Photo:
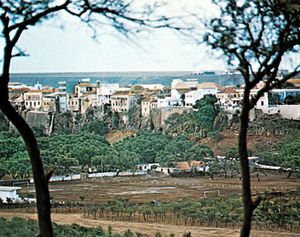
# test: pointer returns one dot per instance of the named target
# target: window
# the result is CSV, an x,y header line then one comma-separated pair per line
x,y
262,103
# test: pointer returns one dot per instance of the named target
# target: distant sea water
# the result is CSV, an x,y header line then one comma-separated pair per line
x,y
123,78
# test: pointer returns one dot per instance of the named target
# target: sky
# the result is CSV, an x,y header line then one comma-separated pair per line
x,y
72,49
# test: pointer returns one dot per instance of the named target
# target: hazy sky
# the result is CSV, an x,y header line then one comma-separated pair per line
x,y
72,49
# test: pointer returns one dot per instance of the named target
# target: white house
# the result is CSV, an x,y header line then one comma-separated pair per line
x,y
105,91
146,167
9,193
289,111
208,88
166,102
147,105
33,99
191,97
122,101
73,103
85,87
229,99
180,87
203,89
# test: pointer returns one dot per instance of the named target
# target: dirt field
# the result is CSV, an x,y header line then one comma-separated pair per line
x,y
142,189
149,229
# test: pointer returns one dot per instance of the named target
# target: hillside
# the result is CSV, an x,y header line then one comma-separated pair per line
x,y
229,139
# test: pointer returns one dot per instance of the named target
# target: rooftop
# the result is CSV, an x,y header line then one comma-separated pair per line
x,y
228,90
9,189
209,85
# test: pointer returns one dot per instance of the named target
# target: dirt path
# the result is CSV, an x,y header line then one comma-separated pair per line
x,y
148,228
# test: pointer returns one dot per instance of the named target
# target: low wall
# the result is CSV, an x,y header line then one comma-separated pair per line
x,y
289,111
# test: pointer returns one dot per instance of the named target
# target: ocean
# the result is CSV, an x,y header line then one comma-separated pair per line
x,y
123,78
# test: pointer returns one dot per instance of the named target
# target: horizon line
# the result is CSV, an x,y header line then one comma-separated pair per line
x,y
146,71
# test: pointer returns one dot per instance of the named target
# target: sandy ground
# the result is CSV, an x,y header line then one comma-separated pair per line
x,y
149,228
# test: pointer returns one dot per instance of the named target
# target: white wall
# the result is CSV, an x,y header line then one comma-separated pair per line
x,y
289,111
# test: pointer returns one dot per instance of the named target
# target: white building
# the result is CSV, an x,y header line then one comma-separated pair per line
x,y
289,111
73,103
105,91
229,99
33,99
122,101
147,167
88,101
180,87
153,86
85,87
62,96
9,193
166,102
208,88
191,97
147,105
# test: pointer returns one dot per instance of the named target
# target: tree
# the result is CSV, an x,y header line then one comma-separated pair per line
x,y
256,37
115,120
97,126
206,112
18,16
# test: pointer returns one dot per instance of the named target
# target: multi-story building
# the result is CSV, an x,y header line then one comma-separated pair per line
x,y
88,101
122,101
147,105
73,103
180,87
62,96
85,87
105,91
229,98
33,99
16,98
205,88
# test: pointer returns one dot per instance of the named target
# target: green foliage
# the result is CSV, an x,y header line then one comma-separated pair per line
x,y
157,147
18,227
18,166
14,159
97,126
201,122
204,210
64,151
282,210
115,120
206,111
285,153
70,153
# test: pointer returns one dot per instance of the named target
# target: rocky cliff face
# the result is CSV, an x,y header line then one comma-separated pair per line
x,y
47,123
266,125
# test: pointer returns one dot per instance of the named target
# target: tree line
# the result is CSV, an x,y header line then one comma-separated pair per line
x,y
280,210
70,153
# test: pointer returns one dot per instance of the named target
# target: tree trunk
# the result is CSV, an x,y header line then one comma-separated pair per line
x,y
40,180
245,172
